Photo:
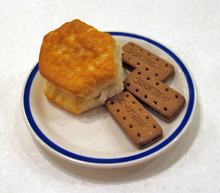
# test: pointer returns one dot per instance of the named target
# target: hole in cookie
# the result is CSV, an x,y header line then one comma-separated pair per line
x,y
133,102
145,96
148,78
130,125
112,103
128,84
146,69
176,96
140,50
138,134
157,59
166,65
148,54
140,109
154,126
155,102
157,83
127,95
118,110
137,90
147,117
156,74
166,89
139,73
138,63
132,44
124,118
165,108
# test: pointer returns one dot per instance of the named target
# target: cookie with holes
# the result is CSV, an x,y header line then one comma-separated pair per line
x,y
156,96
135,56
134,119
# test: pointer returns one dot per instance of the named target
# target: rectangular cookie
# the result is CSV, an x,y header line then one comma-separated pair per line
x,y
134,119
156,96
135,56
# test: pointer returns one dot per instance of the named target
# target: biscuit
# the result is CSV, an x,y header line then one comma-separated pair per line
x,y
81,65
135,56
156,96
134,119
78,58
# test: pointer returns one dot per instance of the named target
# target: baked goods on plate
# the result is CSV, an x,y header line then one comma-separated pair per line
x,y
94,139
81,65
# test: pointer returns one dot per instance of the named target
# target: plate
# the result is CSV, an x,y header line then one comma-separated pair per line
x,y
93,138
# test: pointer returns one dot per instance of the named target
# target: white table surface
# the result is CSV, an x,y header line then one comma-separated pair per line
x,y
189,28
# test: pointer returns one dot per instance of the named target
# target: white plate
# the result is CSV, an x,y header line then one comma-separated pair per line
x,y
94,139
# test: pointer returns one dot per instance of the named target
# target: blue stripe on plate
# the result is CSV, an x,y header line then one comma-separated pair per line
x,y
69,154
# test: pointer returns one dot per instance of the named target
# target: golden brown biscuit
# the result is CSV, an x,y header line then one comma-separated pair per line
x,y
80,61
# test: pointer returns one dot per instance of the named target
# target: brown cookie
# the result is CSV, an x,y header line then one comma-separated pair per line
x,y
134,119
135,56
156,96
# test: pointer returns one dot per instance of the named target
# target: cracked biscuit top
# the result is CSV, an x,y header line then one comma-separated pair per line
x,y
78,58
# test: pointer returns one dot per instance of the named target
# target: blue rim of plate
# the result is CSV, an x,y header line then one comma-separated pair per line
x,y
179,129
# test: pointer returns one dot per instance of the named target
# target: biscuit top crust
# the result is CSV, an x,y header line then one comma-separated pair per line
x,y
78,58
